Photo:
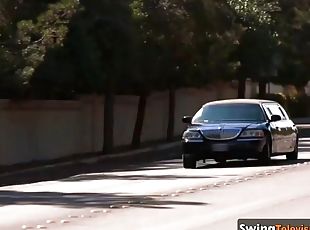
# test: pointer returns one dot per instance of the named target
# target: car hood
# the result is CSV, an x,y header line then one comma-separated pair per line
x,y
227,125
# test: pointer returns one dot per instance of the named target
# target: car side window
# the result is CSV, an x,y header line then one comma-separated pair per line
x,y
274,109
284,112
283,115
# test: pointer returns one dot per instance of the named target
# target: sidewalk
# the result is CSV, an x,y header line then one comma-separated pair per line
x,y
85,164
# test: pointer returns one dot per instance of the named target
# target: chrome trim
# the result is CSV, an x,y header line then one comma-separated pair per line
x,y
251,139
193,141
224,139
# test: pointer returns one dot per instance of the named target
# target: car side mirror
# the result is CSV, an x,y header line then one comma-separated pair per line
x,y
276,118
187,119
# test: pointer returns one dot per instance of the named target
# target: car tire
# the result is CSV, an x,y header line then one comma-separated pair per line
x,y
266,154
189,162
293,155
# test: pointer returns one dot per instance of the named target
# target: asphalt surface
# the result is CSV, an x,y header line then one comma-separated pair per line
x,y
158,195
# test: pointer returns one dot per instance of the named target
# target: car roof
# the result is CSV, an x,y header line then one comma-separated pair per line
x,y
239,101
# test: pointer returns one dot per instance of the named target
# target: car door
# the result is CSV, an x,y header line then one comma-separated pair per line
x,y
278,128
291,134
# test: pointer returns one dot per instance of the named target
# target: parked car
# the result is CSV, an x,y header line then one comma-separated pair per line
x,y
239,129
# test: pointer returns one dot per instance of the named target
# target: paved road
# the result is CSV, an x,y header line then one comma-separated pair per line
x,y
162,195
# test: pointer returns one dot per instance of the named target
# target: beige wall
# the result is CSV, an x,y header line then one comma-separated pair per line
x,y
45,130
125,112
188,101
155,123
252,89
41,131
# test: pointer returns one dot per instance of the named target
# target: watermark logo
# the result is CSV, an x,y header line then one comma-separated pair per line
x,y
273,224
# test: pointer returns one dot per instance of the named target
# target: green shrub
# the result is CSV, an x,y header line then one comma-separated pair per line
x,y
298,106
278,97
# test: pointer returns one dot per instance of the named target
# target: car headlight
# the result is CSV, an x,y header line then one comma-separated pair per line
x,y
192,135
252,133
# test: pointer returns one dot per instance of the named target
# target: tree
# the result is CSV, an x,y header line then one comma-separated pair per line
x,y
162,27
100,42
257,56
216,34
294,31
144,65
259,44
173,35
29,30
135,47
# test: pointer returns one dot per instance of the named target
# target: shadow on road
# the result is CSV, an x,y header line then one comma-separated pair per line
x,y
136,167
87,200
103,176
124,164
252,163
303,147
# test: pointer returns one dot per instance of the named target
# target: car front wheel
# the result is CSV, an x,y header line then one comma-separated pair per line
x,y
189,162
266,154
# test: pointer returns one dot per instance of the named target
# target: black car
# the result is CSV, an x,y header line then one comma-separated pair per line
x,y
239,129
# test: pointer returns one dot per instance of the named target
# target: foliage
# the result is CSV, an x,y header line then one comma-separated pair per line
x,y
258,46
299,106
59,49
47,32
294,30
29,30
278,97
255,13
137,46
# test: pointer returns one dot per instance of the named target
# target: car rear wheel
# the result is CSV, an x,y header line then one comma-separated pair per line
x,y
189,162
293,155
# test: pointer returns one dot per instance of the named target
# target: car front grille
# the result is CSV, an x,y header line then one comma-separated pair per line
x,y
221,134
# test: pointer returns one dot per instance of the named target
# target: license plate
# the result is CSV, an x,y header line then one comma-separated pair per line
x,y
220,147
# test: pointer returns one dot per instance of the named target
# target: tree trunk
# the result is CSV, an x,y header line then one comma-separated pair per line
x,y
136,138
241,88
262,89
108,122
171,115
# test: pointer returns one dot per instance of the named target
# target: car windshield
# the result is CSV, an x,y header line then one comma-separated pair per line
x,y
229,112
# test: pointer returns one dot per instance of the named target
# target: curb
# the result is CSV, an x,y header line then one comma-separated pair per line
x,y
303,126
95,159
